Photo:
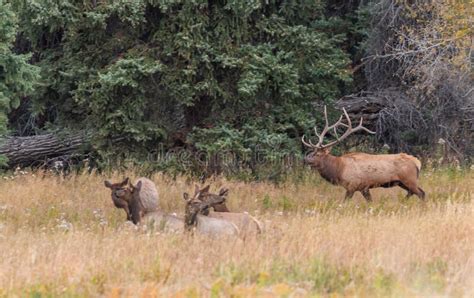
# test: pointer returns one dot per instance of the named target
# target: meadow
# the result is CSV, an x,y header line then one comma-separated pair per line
x,y
61,236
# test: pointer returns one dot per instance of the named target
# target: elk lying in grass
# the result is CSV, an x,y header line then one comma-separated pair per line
x,y
361,171
122,194
246,223
216,204
141,213
170,223
193,219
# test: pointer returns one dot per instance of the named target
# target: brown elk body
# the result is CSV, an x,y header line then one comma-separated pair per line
x,y
246,223
170,223
161,221
122,194
194,220
205,196
362,171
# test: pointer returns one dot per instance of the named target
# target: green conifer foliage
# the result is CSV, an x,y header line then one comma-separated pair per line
x,y
17,76
140,72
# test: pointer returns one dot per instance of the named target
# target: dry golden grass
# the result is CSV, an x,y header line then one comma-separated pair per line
x,y
63,237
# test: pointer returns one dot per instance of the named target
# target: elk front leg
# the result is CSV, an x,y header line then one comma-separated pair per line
x,y
127,210
366,194
349,195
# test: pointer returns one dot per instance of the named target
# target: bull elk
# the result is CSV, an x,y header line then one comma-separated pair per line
x,y
361,171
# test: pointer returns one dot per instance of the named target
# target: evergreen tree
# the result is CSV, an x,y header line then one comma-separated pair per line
x,y
209,75
17,76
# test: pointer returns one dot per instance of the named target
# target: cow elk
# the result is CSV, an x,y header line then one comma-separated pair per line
x,y
122,194
194,220
161,221
217,204
361,171
246,223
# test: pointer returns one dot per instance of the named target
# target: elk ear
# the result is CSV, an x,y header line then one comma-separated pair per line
x,y
223,192
107,184
186,196
138,187
217,200
196,189
206,189
124,182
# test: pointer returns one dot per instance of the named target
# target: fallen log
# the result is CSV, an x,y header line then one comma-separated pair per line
x,y
366,105
24,151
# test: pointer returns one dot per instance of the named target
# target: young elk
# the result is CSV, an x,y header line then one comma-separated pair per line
x,y
246,223
122,194
170,223
204,224
360,171
150,216
205,195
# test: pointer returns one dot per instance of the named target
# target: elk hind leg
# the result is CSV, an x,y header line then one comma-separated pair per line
x,y
412,189
349,194
409,192
422,193
367,195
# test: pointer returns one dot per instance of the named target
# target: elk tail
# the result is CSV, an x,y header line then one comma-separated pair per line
x,y
418,166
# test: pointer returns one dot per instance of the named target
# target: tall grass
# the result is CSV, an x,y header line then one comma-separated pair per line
x,y
61,236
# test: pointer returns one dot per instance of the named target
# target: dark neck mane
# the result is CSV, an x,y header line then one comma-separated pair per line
x,y
136,207
329,168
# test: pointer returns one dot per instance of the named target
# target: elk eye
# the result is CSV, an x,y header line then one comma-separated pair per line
x,y
119,192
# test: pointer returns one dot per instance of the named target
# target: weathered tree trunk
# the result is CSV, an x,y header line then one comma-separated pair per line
x,y
33,149
364,104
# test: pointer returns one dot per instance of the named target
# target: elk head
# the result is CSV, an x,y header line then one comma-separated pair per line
x,y
205,196
121,195
195,205
120,191
321,150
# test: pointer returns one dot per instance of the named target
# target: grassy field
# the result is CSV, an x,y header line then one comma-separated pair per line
x,y
63,237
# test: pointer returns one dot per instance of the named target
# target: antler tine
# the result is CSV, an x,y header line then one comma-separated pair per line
x,y
326,115
349,130
316,131
335,132
361,127
310,144
325,129
349,123
320,136
334,127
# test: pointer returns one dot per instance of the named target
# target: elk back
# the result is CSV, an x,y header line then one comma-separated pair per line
x,y
148,195
216,226
246,223
161,221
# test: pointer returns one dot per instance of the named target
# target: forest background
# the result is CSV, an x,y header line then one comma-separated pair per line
x,y
229,87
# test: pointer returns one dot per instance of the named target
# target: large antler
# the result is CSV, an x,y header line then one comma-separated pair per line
x,y
334,127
